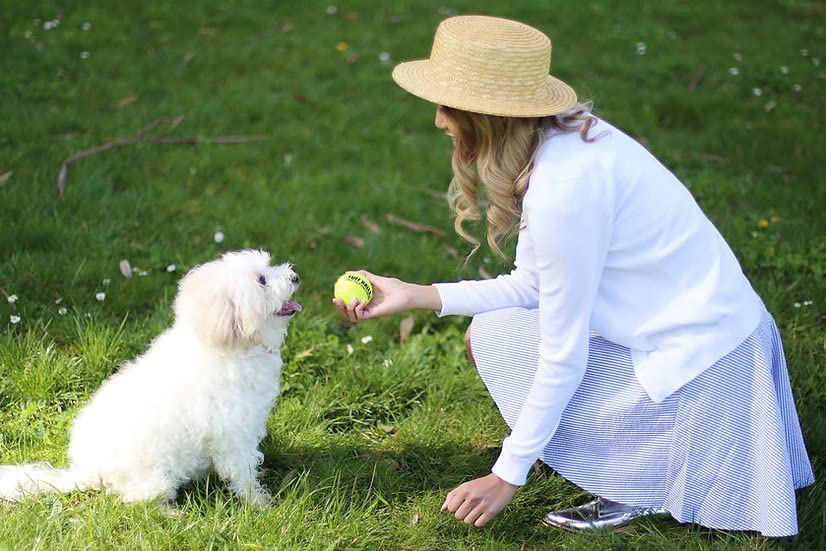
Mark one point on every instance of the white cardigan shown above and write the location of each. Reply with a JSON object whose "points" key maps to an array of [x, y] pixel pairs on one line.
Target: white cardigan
{"points": [[611, 242]]}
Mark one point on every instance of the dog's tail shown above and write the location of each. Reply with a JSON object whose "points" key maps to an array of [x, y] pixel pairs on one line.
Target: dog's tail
{"points": [[20, 481]]}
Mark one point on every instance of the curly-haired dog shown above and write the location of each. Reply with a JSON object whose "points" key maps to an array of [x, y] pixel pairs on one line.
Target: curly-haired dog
{"points": [[197, 401]]}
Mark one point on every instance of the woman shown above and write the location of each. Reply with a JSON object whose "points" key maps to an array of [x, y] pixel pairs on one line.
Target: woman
{"points": [[626, 349]]}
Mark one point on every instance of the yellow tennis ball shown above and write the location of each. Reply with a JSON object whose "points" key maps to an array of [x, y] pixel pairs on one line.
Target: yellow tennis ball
{"points": [[353, 285]]}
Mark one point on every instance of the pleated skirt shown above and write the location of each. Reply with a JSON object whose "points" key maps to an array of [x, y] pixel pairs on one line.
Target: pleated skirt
{"points": [[725, 451]]}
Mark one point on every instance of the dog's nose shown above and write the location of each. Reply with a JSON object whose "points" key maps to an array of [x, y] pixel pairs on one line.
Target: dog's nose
{"points": [[295, 279]]}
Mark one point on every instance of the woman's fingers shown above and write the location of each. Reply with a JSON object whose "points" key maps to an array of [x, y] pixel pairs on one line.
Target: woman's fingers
{"points": [[483, 519], [464, 509]]}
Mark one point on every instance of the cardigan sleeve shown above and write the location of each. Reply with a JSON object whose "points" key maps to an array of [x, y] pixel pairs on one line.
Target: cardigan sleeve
{"points": [[570, 228], [518, 288]]}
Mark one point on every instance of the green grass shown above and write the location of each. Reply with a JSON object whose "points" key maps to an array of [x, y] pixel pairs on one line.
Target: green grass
{"points": [[360, 454]]}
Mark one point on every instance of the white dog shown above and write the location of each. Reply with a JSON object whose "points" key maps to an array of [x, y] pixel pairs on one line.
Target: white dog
{"points": [[197, 401]]}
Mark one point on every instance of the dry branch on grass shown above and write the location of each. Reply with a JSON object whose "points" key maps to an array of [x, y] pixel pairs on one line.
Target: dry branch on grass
{"points": [[142, 137], [415, 226]]}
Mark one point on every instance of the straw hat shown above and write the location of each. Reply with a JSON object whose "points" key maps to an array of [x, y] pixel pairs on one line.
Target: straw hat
{"points": [[488, 65]]}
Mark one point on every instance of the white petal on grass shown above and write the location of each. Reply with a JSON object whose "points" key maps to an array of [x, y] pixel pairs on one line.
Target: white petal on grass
{"points": [[14, 319], [384, 57], [797, 88], [62, 310], [733, 71], [125, 268], [100, 296], [784, 70], [757, 91], [797, 305], [107, 281], [388, 362], [366, 339], [331, 10], [58, 300], [12, 299], [143, 273], [737, 56], [350, 349], [84, 55], [816, 61], [219, 236], [171, 268], [807, 303], [641, 48], [86, 26], [804, 52]]}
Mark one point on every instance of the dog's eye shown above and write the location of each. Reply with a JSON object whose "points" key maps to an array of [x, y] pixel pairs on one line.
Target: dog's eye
{"points": [[262, 280]]}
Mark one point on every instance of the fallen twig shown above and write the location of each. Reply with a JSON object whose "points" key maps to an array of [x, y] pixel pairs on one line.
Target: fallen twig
{"points": [[698, 76], [393, 219], [141, 137]]}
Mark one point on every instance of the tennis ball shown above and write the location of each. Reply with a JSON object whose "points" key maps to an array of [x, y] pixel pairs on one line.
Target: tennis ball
{"points": [[353, 285]]}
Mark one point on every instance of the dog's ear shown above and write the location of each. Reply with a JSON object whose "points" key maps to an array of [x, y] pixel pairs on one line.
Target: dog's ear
{"points": [[207, 303]]}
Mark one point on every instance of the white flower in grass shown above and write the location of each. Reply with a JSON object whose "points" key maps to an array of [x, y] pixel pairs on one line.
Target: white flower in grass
{"points": [[86, 26], [87, 315], [107, 281], [100, 296], [757, 91], [816, 61], [754, 234], [733, 71], [804, 52], [350, 349], [388, 362], [62, 310], [58, 300], [737, 56], [28, 34], [807, 303], [797, 88], [219, 236], [641, 48], [84, 55], [12, 299], [331, 10], [143, 273], [384, 57], [14, 319], [797, 305], [171, 268], [784, 70], [366, 339]]}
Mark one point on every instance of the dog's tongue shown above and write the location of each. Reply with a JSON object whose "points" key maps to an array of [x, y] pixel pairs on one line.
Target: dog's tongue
{"points": [[289, 308]]}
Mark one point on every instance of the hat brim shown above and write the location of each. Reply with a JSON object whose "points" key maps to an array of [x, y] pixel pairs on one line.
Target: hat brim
{"points": [[419, 79]]}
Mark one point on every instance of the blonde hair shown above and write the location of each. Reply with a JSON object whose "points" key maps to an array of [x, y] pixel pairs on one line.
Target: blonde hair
{"points": [[492, 163]]}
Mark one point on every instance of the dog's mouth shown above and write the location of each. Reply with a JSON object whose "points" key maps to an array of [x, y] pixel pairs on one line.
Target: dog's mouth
{"points": [[290, 308]]}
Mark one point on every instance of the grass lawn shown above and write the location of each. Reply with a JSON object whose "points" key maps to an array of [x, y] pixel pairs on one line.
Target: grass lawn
{"points": [[362, 446]]}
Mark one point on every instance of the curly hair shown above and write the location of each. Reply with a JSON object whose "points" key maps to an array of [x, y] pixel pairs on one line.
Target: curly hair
{"points": [[492, 162]]}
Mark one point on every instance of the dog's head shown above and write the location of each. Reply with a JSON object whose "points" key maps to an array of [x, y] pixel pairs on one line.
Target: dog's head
{"points": [[238, 300]]}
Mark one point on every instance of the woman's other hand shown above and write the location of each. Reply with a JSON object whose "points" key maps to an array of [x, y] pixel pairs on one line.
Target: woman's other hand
{"points": [[478, 501]]}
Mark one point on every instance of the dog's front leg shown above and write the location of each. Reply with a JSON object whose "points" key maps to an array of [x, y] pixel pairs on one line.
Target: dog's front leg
{"points": [[237, 464]]}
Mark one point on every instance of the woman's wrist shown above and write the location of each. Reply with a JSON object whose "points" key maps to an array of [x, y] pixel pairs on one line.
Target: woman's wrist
{"points": [[424, 297]]}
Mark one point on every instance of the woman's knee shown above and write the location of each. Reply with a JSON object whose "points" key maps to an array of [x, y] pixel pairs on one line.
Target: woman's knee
{"points": [[468, 346]]}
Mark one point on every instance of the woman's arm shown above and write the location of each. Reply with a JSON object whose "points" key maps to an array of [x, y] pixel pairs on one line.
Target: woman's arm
{"points": [[392, 296]]}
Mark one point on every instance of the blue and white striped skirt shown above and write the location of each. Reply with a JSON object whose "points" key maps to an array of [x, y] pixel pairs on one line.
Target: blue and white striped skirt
{"points": [[725, 451]]}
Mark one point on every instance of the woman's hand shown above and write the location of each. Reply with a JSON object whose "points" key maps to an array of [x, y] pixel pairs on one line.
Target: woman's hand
{"points": [[478, 501], [390, 296]]}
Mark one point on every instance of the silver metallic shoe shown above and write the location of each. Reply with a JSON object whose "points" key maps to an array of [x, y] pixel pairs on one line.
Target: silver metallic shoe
{"points": [[600, 513]]}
